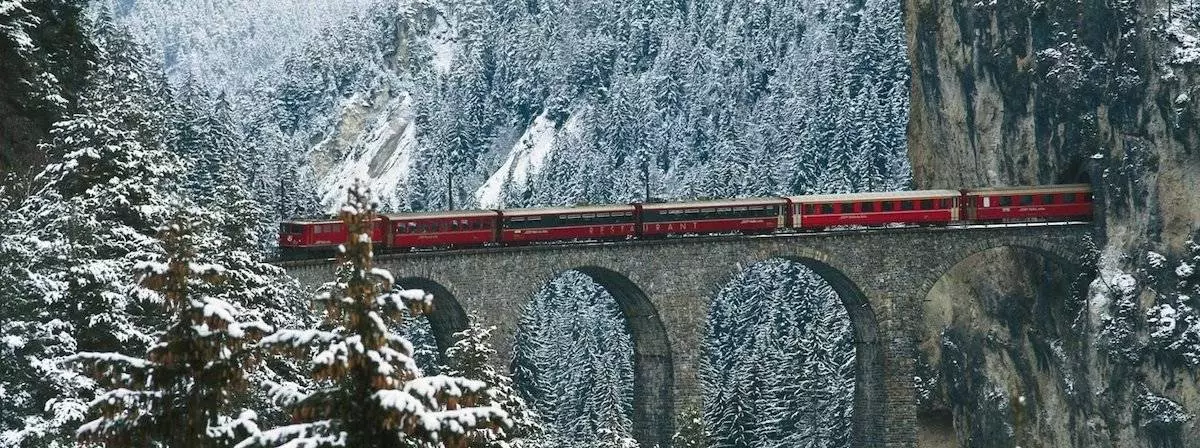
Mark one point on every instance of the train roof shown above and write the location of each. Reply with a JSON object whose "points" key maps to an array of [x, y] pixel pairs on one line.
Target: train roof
{"points": [[891, 195], [1041, 189], [714, 203], [443, 215], [564, 210], [311, 221]]}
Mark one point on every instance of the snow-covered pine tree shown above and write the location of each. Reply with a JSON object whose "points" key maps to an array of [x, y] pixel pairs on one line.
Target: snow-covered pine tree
{"points": [[576, 367], [371, 394], [469, 358], [77, 240], [179, 394]]}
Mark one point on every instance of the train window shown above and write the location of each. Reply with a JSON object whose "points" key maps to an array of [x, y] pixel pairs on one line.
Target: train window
{"points": [[1047, 199], [454, 225], [868, 206], [927, 204], [887, 206], [906, 205], [589, 215], [847, 208], [1027, 199], [827, 208], [1006, 201]]}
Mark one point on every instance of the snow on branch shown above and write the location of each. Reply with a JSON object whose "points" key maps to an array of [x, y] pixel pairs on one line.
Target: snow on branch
{"points": [[303, 435], [452, 423], [299, 338]]}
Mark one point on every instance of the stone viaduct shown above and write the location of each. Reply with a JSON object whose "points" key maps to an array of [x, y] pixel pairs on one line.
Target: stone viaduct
{"points": [[664, 287]]}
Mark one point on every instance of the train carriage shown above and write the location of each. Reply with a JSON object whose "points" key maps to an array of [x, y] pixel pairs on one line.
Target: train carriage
{"points": [[875, 209], [443, 229], [609, 222], [322, 235], [752, 215], [1018, 204]]}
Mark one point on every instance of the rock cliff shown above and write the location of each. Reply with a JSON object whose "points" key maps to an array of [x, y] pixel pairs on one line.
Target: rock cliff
{"points": [[1020, 350]]}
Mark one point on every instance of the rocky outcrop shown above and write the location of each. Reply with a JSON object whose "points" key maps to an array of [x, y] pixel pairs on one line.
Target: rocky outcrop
{"points": [[1024, 92]]}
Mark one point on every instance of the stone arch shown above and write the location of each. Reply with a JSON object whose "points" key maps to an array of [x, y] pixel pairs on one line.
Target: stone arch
{"points": [[870, 393], [448, 316], [1067, 257], [654, 371], [986, 313]]}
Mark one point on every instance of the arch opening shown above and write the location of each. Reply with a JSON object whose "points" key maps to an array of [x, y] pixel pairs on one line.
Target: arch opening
{"points": [[593, 335], [448, 316], [801, 325], [998, 350], [654, 374]]}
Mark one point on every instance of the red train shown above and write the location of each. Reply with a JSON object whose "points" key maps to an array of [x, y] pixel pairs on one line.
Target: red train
{"points": [[407, 231]]}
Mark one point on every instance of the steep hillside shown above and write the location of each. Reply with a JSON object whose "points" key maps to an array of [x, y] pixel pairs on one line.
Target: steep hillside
{"points": [[1013, 93], [508, 103]]}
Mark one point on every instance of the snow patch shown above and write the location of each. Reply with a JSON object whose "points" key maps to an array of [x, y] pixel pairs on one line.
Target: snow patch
{"points": [[525, 159], [382, 156], [441, 40], [1185, 270]]}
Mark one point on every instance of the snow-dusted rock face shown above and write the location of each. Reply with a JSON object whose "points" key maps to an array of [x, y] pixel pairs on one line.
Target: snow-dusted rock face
{"points": [[1012, 93], [374, 140]]}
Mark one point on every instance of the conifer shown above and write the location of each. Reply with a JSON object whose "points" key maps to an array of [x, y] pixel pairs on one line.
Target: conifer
{"points": [[178, 393], [370, 390]]}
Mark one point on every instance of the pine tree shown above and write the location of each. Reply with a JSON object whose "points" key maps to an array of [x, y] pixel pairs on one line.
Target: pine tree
{"points": [[78, 239], [179, 394], [371, 394], [469, 358]]}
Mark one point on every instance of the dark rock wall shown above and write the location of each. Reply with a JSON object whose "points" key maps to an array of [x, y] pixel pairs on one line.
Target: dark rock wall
{"points": [[1033, 92]]}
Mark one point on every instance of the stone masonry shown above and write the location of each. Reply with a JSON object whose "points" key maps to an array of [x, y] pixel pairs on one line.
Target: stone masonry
{"points": [[664, 287]]}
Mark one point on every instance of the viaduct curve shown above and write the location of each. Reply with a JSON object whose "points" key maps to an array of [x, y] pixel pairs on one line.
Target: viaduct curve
{"points": [[663, 288]]}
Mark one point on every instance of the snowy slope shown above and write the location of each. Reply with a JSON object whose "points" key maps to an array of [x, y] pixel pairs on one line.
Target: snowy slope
{"points": [[382, 148], [524, 160]]}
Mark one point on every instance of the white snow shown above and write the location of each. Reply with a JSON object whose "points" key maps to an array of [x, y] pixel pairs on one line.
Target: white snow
{"points": [[1162, 320], [524, 161], [1156, 259], [1185, 270], [383, 156], [441, 40]]}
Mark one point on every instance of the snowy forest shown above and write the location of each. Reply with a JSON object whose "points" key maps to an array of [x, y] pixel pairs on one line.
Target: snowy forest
{"points": [[149, 149]]}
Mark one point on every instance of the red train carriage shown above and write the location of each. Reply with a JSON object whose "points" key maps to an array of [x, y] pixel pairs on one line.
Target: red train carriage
{"points": [[753, 215], [322, 234], [443, 229], [874, 209], [1049, 203], [610, 222]]}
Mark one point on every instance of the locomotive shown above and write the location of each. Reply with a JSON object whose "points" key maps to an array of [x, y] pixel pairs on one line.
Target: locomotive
{"points": [[514, 227]]}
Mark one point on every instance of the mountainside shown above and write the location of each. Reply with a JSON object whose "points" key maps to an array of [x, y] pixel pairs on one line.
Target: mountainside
{"points": [[1019, 93], [507, 103]]}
